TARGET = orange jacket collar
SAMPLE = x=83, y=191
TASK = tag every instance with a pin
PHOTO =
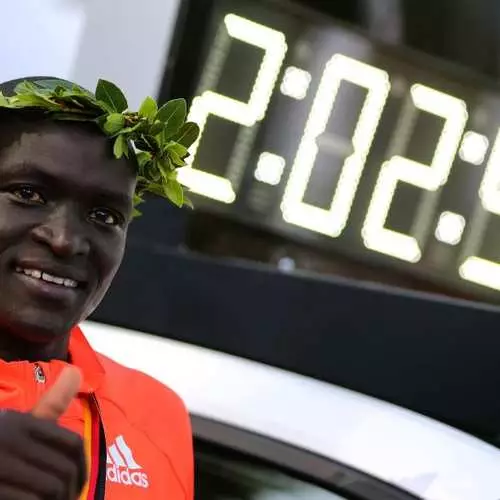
x=85, y=358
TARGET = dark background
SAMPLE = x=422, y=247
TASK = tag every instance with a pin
x=455, y=34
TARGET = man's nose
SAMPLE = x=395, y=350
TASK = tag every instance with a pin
x=63, y=231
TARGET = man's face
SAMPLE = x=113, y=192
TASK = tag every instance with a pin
x=65, y=204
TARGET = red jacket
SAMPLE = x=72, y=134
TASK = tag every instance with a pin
x=148, y=441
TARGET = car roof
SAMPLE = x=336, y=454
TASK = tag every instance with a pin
x=413, y=452
x=431, y=354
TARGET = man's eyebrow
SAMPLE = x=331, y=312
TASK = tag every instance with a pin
x=121, y=199
x=24, y=168
x=29, y=169
x=36, y=171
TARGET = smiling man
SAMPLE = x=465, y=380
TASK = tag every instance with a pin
x=72, y=167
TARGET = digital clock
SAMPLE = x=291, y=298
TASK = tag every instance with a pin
x=312, y=130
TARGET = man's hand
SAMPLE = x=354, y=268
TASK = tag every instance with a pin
x=38, y=458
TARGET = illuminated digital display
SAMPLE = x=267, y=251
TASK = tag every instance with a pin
x=312, y=130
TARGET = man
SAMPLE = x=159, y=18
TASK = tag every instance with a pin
x=74, y=424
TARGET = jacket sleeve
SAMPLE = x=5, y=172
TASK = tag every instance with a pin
x=164, y=410
x=187, y=437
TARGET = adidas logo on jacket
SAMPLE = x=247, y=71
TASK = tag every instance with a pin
x=121, y=466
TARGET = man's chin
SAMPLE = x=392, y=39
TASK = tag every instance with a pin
x=38, y=327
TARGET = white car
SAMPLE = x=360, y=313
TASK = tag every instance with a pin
x=267, y=434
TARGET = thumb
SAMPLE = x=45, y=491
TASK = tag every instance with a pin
x=57, y=399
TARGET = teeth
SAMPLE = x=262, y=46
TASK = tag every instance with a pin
x=52, y=279
x=49, y=278
x=33, y=273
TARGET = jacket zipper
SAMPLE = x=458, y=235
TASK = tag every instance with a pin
x=100, y=487
x=40, y=377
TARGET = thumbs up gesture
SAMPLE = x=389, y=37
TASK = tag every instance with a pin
x=56, y=401
x=38, y=458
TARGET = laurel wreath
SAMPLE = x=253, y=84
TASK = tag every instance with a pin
x=159, y=137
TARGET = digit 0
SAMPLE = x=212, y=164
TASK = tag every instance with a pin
x=475, y=269
x=243, y=113
x=332, y=221
x=430, y=178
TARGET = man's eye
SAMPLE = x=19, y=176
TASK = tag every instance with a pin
x=28, y=194
x=105, y=216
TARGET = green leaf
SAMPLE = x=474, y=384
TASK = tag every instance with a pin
x=138, y=127
x=114, y=123
x=111, y=95
x=63, y=88
x=159, y=138
x=147, y=172
x=187, y=135
x=147, y=143
x=86, y=101
x=153, y=171
x=173, y=115
x=61, y=91
x=101, y=120
x=120, y=148
x=176, y=159
x=54, y=84
x=172, y=175
x=156, y=189
x=164, y=167
x=69, y=101
x=177, y=148
x=106, y=107
x=188, y=202
x=141, y=188
x=78, y=103
x=148, y=109
x=136, y=213
x=175, y=193
x=143, y=158
x=138, y=200
x=25, y=87
x=4, y=102
x=156, y=128
x=34, y=101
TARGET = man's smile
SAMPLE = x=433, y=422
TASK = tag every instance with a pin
x=43, y=285
x=49, y=278
x=52, y=272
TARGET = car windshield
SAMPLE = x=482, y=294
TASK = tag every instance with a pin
x=226, y=477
